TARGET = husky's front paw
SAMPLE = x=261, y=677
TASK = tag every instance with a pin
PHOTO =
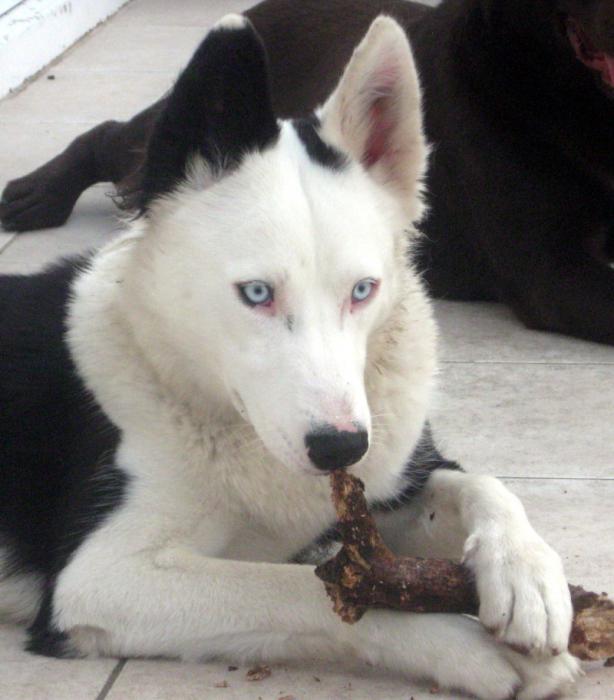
x=524, y=596
x=453, y=651
x=458, y=654
x=545, y=677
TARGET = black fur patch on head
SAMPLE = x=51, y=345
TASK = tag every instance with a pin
x=220, y=109
x=318, y=150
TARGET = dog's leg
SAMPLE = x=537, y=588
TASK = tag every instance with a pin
x=178, y=603
x=521, y=584
x=110, y=152
x=576, y=299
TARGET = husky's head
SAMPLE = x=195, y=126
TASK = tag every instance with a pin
x=275, y=252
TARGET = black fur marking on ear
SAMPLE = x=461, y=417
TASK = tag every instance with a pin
x=318, y=150
x=220, y=108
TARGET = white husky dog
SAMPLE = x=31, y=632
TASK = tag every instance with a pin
x=162, y=460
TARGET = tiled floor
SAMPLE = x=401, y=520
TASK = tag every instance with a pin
x=534, y=408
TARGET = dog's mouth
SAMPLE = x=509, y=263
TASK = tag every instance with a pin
x=588, y=53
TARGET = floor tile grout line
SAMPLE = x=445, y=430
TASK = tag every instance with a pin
x=551, y=363
x=14, y=121
x=7, y=243
x=177, y=25
x=87, y=70
x=110, y=682
x=555, y=478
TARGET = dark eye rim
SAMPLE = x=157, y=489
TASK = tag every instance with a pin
x=247, y=301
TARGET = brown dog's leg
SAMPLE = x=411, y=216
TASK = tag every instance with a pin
x=576, y=301
x=110, y=152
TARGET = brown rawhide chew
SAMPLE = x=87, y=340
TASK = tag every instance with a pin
x=366, y=574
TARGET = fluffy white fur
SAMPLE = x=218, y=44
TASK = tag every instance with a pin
x=214, y=399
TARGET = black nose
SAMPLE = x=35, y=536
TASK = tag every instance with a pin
x=330, y=449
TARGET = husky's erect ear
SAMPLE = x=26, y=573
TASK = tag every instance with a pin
x=375, y=112
x=220, y=108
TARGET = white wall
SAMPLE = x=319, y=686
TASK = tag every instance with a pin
x=37, y=31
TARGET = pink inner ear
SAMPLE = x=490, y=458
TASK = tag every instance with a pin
x=381, y=113
x=378, y=144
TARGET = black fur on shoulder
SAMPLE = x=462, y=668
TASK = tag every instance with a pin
x=220, y=109
x=425, y=459
x=58, y=480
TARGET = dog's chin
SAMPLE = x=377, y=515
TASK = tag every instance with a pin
x=292, y=461
x=607, y=90
x=310, y=470
x=598, y=60
x=304, y=468
x=313, y=471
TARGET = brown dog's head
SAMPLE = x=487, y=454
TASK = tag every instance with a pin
x=589, y=26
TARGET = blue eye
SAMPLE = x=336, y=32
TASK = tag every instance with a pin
x=256, y=293
x=363, y=289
